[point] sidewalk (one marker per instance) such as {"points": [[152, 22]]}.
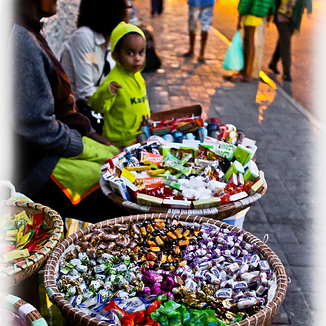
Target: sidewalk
{"points": [[283, 133]]}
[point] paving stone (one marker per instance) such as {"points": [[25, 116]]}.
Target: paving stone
{"points": [[285, 234], [281, 318], [299, 255], [255, 214], [305, 276], [299, 311]]}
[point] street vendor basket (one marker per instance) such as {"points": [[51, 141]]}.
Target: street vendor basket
{"points": [[23, 269], [218, 212], [77, 317], [16, 311]]}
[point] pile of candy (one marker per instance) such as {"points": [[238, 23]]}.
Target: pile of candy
{"points": [[21, 234], [188, 175], [202, 271]]}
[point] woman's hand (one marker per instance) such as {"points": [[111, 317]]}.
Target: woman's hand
{"points": [[113, 87]]}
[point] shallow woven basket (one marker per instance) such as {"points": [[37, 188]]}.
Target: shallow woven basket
{"points": [[21, 308], [77, 317], [16, 273], [218, 213]]}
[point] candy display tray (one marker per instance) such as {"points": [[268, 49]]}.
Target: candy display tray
{"points": [[75, 316], [20, 271], [218, 213], [169, 116], [194, 110]]}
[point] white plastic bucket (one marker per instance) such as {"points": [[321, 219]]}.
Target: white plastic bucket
{"points": [[237, 219]]}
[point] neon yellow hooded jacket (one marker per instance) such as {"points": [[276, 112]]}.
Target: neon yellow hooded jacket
{"points": [[124, 114]]}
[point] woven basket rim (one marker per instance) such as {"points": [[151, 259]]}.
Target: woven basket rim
{"points": [[224, 210], [36, 260], [32, 315], [275, 263]]}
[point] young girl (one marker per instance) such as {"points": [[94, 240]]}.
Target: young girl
{"points": [[122, 97]]}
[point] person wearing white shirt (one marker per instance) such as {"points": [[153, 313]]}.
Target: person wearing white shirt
{"points": [[86, 56]]}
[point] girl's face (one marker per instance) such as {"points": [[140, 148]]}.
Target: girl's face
{"points": [[131, 54], [48, 7]]}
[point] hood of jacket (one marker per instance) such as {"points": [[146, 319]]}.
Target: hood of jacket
{"points": [[121, 30]]}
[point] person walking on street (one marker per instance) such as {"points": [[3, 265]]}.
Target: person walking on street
{"points": [[199, 10], [156, 7], [251, 14], [288, 20]]}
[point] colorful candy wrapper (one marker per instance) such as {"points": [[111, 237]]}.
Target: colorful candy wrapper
{"points": [[153, 306], [162, 297], [118, 311], [128, 320], [203, 317], [166, 311], [140, 316], [112, 318], [131, 305]]}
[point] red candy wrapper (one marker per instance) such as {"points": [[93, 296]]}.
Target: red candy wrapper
{"points": [[153, 307], [141, 318], [118, 311], [128, 320]]}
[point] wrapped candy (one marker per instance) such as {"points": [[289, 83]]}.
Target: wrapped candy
{"points": [[25, 234], [128, 320], [141, 317], [175, 314], [118, 311], [112, 318]]}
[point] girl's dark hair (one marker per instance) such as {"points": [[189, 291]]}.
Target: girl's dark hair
{"points": [[102, 16]]}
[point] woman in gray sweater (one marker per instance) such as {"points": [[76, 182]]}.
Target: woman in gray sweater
{"points": [[48, 126]]}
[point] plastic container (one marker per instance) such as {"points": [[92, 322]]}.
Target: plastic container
{"points": [[237, 219]]}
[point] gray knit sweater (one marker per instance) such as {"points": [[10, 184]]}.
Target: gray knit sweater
{"points": [[41, 138]]}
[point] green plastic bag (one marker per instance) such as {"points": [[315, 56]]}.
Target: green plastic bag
{"points": [[234, 56]]}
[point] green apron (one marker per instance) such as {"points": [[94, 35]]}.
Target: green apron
{"points": [[79, 176]]}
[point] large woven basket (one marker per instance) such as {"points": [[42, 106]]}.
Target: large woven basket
{"points": [[16, 273], [21, 308], [77, 317], [218, 213]]}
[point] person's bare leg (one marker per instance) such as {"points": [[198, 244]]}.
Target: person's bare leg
{"points": [[202, 45], [250, 50], [192, 38], [245, 52]]}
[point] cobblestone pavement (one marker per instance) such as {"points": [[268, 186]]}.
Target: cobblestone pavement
{"points": [[283, 132]]}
